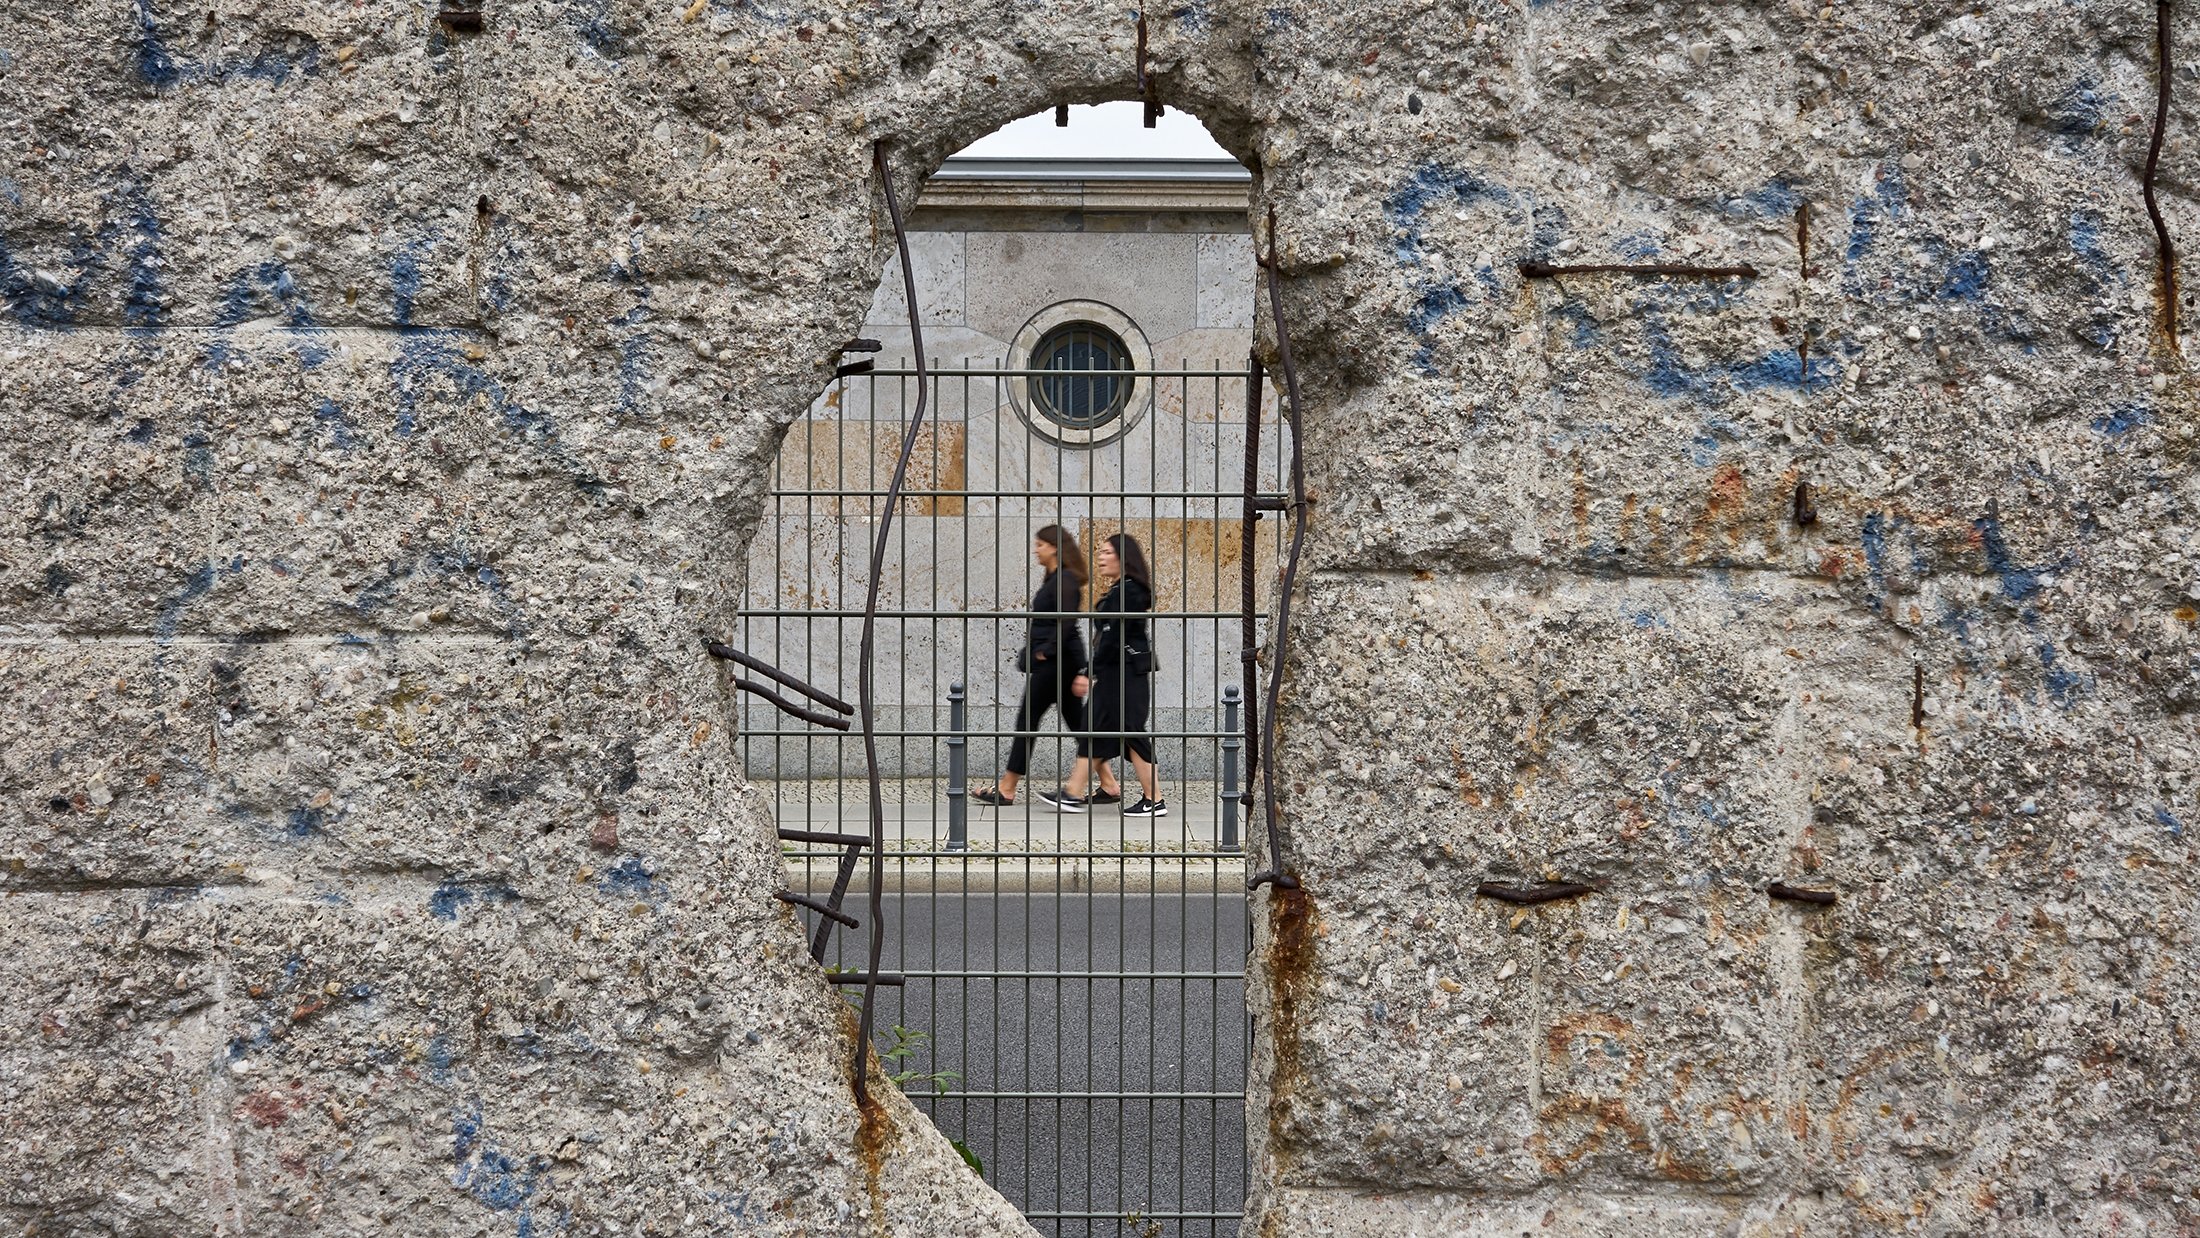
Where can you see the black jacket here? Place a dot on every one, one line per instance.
(1119, 628)
(1062, 641)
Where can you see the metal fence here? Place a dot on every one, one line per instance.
(1073, 1011)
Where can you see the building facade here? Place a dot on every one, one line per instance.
(1025, 269)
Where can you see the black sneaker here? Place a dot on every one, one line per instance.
(1147, 808)
(1104, 797)
(1063, 801)
(993, 796)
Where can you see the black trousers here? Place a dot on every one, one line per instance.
(1044, 689)
(1119, 702)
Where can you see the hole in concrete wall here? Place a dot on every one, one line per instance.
(1074, 1014)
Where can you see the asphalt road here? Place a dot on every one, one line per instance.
(1124, 1012)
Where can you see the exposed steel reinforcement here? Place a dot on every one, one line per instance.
(879, 547)
(2165, 253)
(1261, 751)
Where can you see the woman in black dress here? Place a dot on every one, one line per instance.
(1120, 684)
(1053, 656)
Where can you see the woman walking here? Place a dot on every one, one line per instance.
(1053, 656)
(1120, 684)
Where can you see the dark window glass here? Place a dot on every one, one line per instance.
(1082, 401)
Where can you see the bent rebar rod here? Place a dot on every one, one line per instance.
(785, 706)
(1274, 873)
(1248, 576)
(2165, 253)
(870, 627)
(727, 653)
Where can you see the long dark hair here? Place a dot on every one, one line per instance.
(1067, 558)
(1131, 559)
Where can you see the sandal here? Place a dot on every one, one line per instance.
(993, 796)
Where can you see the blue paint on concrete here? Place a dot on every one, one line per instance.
(2080, 109)
(492, 1176)
(1718, 381)
(438, 1056)
(631, 877)
(405, 277)
(2168, 821)
(129, 233)
(2085, 242)
(155, 66)
(159, 67)
(454, 897)
(1194, 17)
(444, 562)
(2018, 583)
(332, 418)
(429, 358)
(303, 823)
(1874, 537)
(196, 585)
(1434, 184)
(1966, 277)
(591, 21)
(1777, 198)
(2122, 420)
(1586, 333)
(1873, 211)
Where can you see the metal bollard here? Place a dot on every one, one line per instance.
(958, 810)
(1230, 745)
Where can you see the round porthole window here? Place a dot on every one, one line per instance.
(1085, 373)
(1095, 379)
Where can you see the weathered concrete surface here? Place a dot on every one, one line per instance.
(385, 410)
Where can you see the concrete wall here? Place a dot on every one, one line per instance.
(387, 410)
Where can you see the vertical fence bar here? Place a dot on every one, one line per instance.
(958, 808)
(1230, 746)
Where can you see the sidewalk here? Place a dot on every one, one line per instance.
(1027, 843)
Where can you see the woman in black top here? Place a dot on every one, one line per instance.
(1052, 658)
(1120, 687)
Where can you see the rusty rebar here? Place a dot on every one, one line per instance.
(785, 706)
(1804, 511)
(1248, 572)
(1274, 874)
(460, 16)
(2165, 253)
(1528, 896)
(721, 650)
(1794, 894)
(826, 910)
(1145, 78)
(1545, 270)
(843, 874)
(879, 547)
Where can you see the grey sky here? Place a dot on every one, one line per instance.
(1103, 131)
